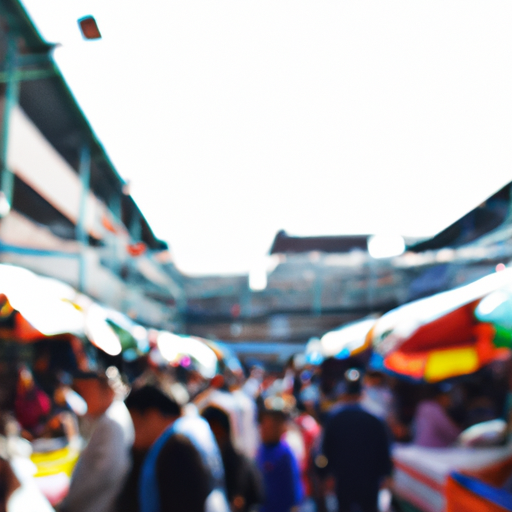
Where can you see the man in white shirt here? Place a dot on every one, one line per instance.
(105, 461)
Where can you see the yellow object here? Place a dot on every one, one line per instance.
(57, 461)
(443, 364)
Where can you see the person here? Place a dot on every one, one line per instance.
(376, 396)
(248, 441)
(244, 485)
(433, 427)
(218, 394)
(310, 431)
(253, 383)
(32, 405)
(354, 450)
(105, 461)
(177, 465)
(277, 463)
(8, 483)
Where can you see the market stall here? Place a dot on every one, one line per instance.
(48, 332)
(447, 339)
(423, 478)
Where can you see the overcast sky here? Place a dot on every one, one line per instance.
(234, 119)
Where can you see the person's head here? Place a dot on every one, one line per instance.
(272, 418)
(374, 379)
(152, 411)
(95, 389)
(220, 425)
(272, 426)
(442, 395)
(350, 387)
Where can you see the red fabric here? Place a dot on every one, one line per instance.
(31, 407)
(137, 249)
(413, 363)
(451, 330)
(310, 431)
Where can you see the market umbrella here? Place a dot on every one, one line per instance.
(439, 337)
(186, 350)
(228, 362)
(45, 306)
(134, 338)
(348, 340)
(13, 326)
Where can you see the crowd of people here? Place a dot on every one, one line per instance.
(236, 446)
(166, 438)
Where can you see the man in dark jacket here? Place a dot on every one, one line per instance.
(355, 450)
(244, 484)
(176, 466)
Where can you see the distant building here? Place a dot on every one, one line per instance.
(317, 283)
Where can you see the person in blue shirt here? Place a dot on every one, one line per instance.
(277, 463)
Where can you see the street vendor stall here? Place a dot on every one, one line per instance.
(423, 478)
(446, 338)
(440, 337)
(348, 340)
(48, 332)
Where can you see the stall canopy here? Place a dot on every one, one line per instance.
(186, 351)
(440, 337)
(46, 304)
(349, 340)
(33, 307)
(346, 341)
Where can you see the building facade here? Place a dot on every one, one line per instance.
(65, 212)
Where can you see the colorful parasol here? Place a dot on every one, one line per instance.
(348, 340)
(185, 350)
(439, 337)
(45, 306)
(33, 307)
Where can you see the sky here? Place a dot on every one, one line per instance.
(233, 119)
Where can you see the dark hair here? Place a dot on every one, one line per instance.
(89, 375)
(352, 381)
(98, 376)
(214, 414)
(150, 397)
(272, 413)
(277, 407)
